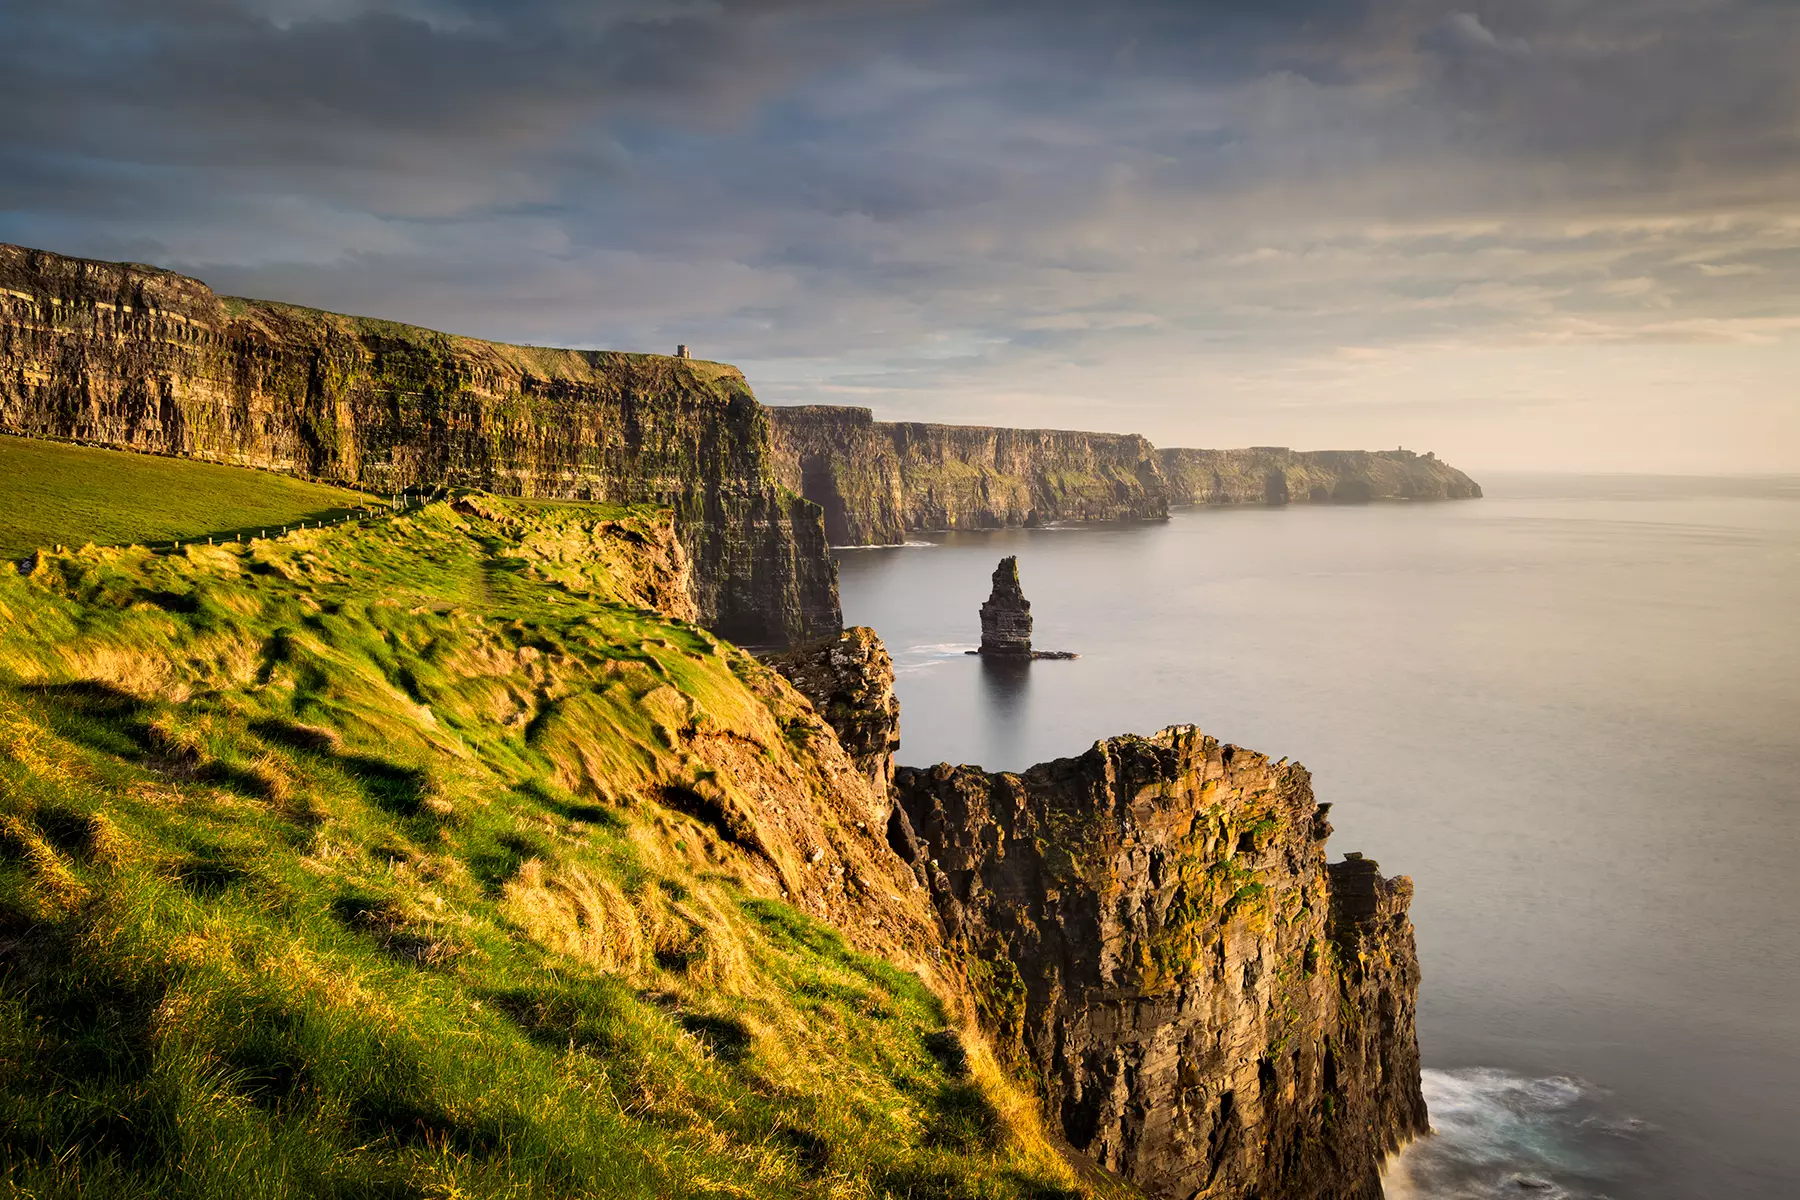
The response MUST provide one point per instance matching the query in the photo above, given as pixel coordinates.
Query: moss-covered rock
(1208, 1008)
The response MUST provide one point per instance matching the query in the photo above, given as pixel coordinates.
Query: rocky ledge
(1155, 938)
(850, 681)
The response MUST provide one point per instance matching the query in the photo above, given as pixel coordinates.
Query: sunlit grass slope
(57, 494)
(418, 858)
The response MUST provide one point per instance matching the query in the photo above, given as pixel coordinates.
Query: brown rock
(850, 681)
(1006, 617)
(1153, 934)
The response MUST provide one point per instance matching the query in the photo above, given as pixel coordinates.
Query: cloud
(956, 209)
(1463, 33)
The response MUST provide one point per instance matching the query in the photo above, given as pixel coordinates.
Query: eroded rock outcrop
(876, 480)
(134, 357)
(1277, 475)
(1154, 935)
(1006, 615)
(850, 681)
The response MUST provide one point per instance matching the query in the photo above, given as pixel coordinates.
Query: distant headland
(877, 481)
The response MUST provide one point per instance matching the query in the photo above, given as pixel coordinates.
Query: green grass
(58, 494)
(412, 858)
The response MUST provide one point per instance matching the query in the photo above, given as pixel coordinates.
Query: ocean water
(1570, 711)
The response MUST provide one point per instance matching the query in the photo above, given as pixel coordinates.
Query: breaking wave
(1495, 1133)
(921, 658)
(887, 546)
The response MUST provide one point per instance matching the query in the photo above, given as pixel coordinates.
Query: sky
(1526, 234)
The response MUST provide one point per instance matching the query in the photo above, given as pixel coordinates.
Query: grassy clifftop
(442, 856)
(78, 494)
(122, 355)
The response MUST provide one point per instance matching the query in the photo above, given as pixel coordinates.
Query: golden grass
(495, 897)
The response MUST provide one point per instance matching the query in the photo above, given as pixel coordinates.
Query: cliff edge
(1156, 939)
(134, 357)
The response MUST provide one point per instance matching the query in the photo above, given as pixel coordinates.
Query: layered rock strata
(877, 480)
(1277, 475)
(1154, 935)
(137, 358)
(850, 681)
(1006, 615)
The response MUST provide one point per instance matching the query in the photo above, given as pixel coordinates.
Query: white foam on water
(922, 658)
(1496, 1133)
(887, 546)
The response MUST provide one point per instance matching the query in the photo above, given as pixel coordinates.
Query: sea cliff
(879, 480)
(876, 480)
(1156, 939)
(1277, 475)
(139, 358)
(1153, 939)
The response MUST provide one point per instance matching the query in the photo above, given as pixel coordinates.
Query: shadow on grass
(597, 1015)
(411, 1122)
(571, 810)
(395, 788)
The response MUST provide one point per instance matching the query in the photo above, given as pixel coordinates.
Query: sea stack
(1006, 617)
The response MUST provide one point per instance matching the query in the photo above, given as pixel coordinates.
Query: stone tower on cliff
(1006, 617)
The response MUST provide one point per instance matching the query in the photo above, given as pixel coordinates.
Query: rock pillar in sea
(1006, 617)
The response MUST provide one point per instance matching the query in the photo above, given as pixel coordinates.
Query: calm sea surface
(1570, 711)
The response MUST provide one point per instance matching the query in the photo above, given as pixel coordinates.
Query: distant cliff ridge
(878, 480)
(1277, 475)
(134, 357)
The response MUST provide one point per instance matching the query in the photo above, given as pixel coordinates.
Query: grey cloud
(952, 205)
(1463, 33)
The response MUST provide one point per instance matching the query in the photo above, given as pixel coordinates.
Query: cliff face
(134, 357)
(1277, 475)
(876, 480)
(1154, 934)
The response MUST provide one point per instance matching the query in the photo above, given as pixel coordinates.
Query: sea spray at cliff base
(1497, 1134)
